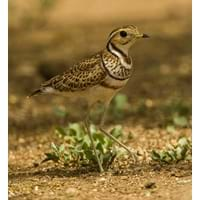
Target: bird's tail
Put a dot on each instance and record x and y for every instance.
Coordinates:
(42, 90)
(35, 93)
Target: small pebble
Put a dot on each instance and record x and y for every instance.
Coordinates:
(21, 140)
(35, 164)
(36, 188)
(148, 194)
(72, 191)
(102, 179)
(150, 185)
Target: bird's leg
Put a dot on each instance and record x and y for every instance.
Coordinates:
(112, 137)
(86, 122)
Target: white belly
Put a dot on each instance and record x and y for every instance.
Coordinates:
(92, 95)
(99, 93)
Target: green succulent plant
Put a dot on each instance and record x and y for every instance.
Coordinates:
(76, 146)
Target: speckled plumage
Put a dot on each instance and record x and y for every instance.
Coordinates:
(89, 73)
(111, 63)
(114, 67)
(81, 76)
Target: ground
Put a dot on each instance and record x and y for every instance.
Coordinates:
(30, 180)
(161, 78)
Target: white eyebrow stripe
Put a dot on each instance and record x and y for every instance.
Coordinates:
(113, 34)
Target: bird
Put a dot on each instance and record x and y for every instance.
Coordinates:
(99, 78)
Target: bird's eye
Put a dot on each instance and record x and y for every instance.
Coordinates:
(123, 33)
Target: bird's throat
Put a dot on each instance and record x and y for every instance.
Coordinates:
(121, 54)
(116, 50)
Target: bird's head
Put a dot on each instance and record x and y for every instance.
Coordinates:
(123, 38)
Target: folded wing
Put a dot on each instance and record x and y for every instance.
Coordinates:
(81, 76)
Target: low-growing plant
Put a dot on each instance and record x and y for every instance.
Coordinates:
(174, 153)
(76, 146)
(177, 113)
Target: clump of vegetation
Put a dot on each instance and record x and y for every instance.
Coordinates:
(174, 153)
(177, 113)
(76, 148)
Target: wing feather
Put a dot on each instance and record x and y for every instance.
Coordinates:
(81, 76)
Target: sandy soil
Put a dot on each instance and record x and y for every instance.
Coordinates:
(28, 179)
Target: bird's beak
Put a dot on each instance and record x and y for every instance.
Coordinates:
(143, 35)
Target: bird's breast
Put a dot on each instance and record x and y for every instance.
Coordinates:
(116, 67)
(113, 83)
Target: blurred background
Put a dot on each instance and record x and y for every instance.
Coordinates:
(48, 36)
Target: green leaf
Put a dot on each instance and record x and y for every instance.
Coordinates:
(155, 155)
(85, 146)
(130, 135)
(76, 130)
(99, 146)
(180, 121)
(172, 154)
(61, 148)
(179, 155)
(86, 139)
(168, 157)
(109, 158)
(188, 157)
(54, 147)
(117, 131)
(66, 157)
(69, 139)
(51, 156)
(162, 155)
(183, 142)
(170, 129)
(99, 137)
(61, 131)
(93, 129)
(89, 154)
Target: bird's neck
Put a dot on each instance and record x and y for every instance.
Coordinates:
(118, 65)
(117, 50)
(121, 53)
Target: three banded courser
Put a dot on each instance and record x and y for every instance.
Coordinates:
(98, 78)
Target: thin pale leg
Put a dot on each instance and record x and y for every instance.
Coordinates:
(112, 137)
(93, 146)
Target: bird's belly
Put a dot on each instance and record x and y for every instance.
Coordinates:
(92, 95)
(103, 92)
(100, 94)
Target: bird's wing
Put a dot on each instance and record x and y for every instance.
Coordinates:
(81, 76)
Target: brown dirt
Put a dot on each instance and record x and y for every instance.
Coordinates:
(127, 180)
(38, 50)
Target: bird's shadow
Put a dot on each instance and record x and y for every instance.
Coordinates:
(64, 172)
(51, 172)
